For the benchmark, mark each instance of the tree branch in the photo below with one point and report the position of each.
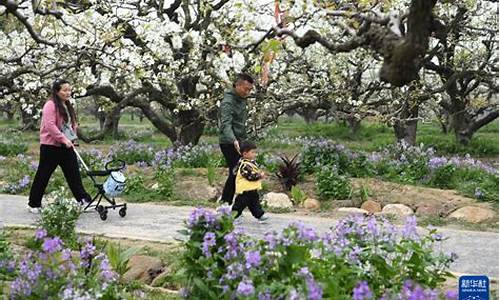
(12, 8)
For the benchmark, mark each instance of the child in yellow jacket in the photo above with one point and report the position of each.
(248, 182)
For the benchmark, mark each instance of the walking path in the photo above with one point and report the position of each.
(477, 251)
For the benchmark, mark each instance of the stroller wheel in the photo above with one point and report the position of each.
(122, 212)
(100, 209)
(104, 215)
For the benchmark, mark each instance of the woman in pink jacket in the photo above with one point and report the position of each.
(57, 135)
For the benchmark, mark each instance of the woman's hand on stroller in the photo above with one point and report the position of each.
(68, 144)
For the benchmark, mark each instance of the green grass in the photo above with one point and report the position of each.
(373, 136)
(370, 137)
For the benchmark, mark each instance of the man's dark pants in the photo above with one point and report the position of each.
(232, 157)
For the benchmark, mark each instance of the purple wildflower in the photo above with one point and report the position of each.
(362, 291)
(40, 233)
(224, 211)
(201, 215)
(451, 295)
(271, 239)
(245, 288)
(293, 295)
(252, 259)
(208, 241)
(264, 295)
(52, 245)
(314, 291)
(106, 272)
(410, 229)
(232, 245)
(478, 193)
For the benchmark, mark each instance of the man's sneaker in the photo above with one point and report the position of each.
(263, 219)
(34, 210)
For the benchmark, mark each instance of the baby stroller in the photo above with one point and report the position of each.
(111, 188)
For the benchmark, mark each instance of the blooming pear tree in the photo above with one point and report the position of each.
(465, 61)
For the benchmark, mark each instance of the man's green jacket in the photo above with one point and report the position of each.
(232, 118)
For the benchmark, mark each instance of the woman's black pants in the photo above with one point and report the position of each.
(50, 158)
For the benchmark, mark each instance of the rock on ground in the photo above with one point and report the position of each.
(473, 214)
(371, 206)
(353, 210)
(143, 268)
(312, 204)
(399, 210)
(278, 200)
(195, 190)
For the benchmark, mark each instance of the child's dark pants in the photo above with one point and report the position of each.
(248, 199)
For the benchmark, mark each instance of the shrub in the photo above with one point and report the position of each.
(332, 185)
(409, 162)
(21, 171)
(119, 258)
(443, 177)
(135, 184)
(7, 263)
(93, 158)
(131, 152)
(478, 184)
(288, 172)
(211, 171)
(361, 255)
(324, 153)
(268, 161)
(360, 166)
(165, 179)
(198, 156)
(54, 272)
(12, 149)
(59, 219)
(298, 196)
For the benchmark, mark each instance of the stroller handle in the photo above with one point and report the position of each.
(120, 165)
(81, 160)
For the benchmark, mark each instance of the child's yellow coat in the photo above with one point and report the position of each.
(243, 184)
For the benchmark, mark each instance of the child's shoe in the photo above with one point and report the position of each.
(263, 219)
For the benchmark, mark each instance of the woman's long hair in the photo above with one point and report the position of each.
(56, 87)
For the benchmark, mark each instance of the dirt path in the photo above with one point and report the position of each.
(477, 251)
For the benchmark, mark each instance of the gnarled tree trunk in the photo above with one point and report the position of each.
(405, 128)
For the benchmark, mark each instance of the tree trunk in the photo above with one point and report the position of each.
(310, 114)
(115, 115)
(405, 128)
(354, 124)
(191, 127)
(29, 123)
(407, 131)
(101, 116)
(465, 125)
(108, 123)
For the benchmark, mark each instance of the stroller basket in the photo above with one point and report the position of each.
(112, 187)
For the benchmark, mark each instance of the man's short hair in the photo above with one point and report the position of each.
(244, 77)
(246, 146)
